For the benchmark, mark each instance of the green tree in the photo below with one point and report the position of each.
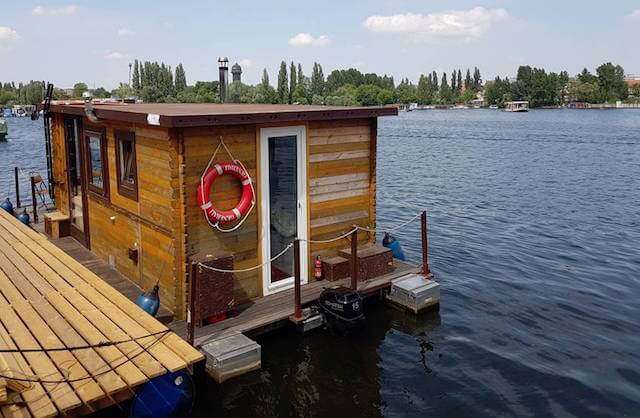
(581, 91)
(264, 92)
(317, 80)
(283, 87)
(293, 81)
(459, 82)
(445, 91)
(301, 79)
(300, 94)
(135, 82)
(406, 92)
(180, 78)
(468, 82)
(101, 93)
(79, 89)
(240, 93)
(477, 79)
(611, 82)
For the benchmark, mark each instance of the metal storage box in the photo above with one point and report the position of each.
(414, 292)
(231, 355)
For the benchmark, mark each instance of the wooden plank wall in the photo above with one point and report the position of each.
(341, 180)
(59, 161)
(200, 143)
(341, 171)
(152, 224)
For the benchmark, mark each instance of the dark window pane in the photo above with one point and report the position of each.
(95, 154)
(127, 163)
(283, 201)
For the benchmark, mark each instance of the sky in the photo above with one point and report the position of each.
(93, 41)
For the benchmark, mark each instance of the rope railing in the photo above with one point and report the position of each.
(310, 241)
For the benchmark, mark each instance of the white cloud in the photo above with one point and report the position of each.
(115, 55)
(306, 39)
(125, 32)
(52, 11)
(634, 14)
(245, 63)
(7, 35)
(465, 24)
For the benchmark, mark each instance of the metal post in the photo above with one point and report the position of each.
(425, 244)
(354, 259)
(297, 285)
(34, 202)
(15, 172)
(191, 320)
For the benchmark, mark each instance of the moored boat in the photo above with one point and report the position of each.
(517, 106)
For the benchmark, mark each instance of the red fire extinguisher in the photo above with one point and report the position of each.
(318, 268)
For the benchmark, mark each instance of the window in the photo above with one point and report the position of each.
(97, 163)
(126, 164)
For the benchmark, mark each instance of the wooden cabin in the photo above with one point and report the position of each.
(126, 178)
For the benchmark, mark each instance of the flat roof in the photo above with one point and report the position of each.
(209, 114)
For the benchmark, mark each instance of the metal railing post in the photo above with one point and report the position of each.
(34, 201)
(15, 174)
(354, 259)
(425, 244)
(297, 291)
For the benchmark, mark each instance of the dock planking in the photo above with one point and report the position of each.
(50, 301)
(274, 310)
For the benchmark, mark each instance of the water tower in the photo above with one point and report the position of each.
(236, 72)
(223, 71)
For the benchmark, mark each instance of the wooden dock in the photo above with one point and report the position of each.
(81, 344)
(274, 310)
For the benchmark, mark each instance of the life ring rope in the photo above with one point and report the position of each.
(238, 170)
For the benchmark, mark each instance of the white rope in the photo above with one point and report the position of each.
(395, 228)
(253, 190)
(280, 254)
(339, 237)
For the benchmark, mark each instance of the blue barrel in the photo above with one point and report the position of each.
(149, 301)
(24, 218)
(7, 205)
(167, 396)
(390, 242)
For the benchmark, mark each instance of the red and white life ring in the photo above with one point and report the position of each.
(246, 202)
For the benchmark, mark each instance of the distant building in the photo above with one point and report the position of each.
(236, 72)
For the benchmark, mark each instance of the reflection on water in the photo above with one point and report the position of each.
(534, 232)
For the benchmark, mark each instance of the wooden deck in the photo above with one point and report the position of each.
(51, 303)
(274, 310)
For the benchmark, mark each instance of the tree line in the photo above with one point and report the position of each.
(540, 88)
(158, 82)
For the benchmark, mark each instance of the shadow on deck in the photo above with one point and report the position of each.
(107, 273)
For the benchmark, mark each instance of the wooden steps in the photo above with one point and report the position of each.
(49, 301)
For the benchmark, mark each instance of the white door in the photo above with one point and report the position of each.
(283, 166)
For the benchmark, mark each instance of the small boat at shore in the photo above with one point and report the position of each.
(517, 106)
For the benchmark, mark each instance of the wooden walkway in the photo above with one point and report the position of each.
(49, 304)
(274, 310)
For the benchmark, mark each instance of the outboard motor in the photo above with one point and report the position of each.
(393, 244)
(341, 307)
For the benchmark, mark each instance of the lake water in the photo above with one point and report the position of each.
(535, 239)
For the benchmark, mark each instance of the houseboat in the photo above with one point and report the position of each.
(153, 188)
(516, 106)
